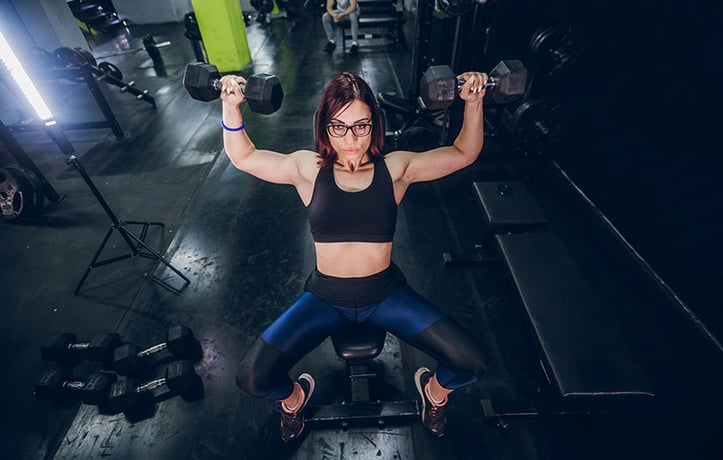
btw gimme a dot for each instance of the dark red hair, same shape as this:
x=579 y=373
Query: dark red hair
x=340 y=91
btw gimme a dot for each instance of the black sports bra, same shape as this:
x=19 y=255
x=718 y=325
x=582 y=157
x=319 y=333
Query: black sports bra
x=369 y=215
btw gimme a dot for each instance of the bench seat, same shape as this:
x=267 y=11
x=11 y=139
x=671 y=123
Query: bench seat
x=580 y=339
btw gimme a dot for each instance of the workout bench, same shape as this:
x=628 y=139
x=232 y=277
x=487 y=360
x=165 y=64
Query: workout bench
x=584 y=355
x=377 y=15
x=507 y=207
x=358 y=345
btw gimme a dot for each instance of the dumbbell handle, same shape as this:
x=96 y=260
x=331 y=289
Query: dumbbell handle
x=153 y=349
x=152 y=385
x=490 y=83
x=216 y=84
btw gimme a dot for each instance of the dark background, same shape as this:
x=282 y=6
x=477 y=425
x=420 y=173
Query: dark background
x=641 y=108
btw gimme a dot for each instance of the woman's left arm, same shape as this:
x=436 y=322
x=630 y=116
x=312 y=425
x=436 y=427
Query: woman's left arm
x=441 y=161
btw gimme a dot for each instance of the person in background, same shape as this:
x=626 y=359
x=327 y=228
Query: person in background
x=337 y=11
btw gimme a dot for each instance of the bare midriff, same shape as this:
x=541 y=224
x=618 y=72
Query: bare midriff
x=352 y=259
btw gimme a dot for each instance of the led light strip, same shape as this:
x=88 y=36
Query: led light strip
x=23 y=80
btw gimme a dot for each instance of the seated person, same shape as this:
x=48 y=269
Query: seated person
x=346 y=10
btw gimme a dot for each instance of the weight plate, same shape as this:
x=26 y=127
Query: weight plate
x=111 y=70
x=87 y=55
x=71 y=56
x=32 y=186
x=536 y=121
x=12 y=197
x=552 y=49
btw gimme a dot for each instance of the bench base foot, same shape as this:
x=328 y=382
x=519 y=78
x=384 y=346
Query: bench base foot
x=453 y=260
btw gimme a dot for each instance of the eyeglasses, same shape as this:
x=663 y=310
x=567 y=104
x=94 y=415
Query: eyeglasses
x=340 y=130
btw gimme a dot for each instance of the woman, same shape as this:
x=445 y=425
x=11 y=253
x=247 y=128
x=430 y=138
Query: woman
x=352 y=192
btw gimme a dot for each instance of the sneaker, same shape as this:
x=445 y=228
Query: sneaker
x=329 y=47
x=433 y=416
x=292 y=424
x=354 y=50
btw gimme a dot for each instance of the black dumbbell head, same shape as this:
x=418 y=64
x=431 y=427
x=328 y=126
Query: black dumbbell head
x=122 y=395
x=57 y=348
x=101 y=348
x=126 y=360
x=438 y=87
x=264 y=93
x=97 y=387
x=180 y=376
x=198 y=80
x=180 y=340
x=50 y=385
x=511 y=81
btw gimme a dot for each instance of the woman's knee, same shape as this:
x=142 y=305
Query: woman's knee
x=451 y=343
x=262 y=368
x=248 y=381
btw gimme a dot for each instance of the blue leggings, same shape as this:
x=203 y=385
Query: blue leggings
x=311 y=319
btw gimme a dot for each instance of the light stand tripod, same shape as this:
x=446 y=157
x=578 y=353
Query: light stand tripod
x=137 y=245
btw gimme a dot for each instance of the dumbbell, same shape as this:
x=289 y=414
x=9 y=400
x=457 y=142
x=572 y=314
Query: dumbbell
x=61 y=347
x=57 y=383
x=439 y=85
x=129 y=358
x=126 y=394
x=263 y=91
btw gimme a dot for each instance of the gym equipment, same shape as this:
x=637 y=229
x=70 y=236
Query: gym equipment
x=358 y=345
x=129 y=358
x=507 y=207
x=533 y=122
x=126 y=394
x=263 y=91
x=193 y=34
x=21 y=193
x=78 y=57
x=99 y=349
x=33 y=200
x=458 y=7
x=439 y=84
x=56 y=384
x=553 y=49
x=111 y=70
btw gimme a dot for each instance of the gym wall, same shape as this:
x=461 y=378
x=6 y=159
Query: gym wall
x=641 y=141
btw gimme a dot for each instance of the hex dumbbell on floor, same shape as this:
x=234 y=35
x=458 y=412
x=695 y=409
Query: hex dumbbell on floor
x=126 y=394
x=56 y=384
x=64 y=346
x=129 y=358
x=439 y=85
x=263 y=91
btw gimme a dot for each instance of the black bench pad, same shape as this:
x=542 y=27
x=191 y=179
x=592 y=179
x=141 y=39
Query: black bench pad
x=581 y=341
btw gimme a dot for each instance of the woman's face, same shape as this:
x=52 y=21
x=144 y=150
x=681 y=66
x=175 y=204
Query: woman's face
x=356 y=114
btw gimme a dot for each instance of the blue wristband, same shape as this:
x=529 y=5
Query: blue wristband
x=243 y=125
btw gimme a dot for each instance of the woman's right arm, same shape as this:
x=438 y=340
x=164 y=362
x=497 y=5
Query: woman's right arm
x=264 y=164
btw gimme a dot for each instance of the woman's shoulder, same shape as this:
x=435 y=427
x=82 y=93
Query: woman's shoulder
x=307 y=162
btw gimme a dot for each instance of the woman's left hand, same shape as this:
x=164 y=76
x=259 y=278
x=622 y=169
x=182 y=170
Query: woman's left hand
x=474 y=86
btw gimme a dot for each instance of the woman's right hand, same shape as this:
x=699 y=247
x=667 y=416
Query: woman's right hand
x=231 y=90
